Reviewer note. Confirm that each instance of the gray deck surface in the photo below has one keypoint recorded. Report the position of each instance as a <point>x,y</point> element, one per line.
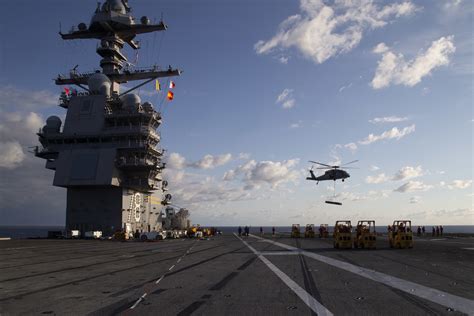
<point>223,276</point>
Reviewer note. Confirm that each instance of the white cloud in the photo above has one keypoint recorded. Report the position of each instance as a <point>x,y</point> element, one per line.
<point>374,168</point>
<point>351,196</point>
<point>380,48</point>
<point>354,196</point>
<point>375,195</point>
<point>345,87</point>
<point>286,99</point>
<point>408,172</point>
<point>284,95</point>
<point>415,199</point>
<point>394,69</point>
<point>17,132</point>
<point>20,126</point>
<point>246,167</point>
<point>197,191</point>
<point>283,59</point>
<point>11,155</point>
<point>404,173</point>
<point>452,4</point>
<point>176,161</point>
<point>394,133</point>
<point>229,175</point>
<point>288,104</point>
<point>443,216</point>
<point>295,125</point>
<point>211,162</point>
<point>388,119</point>
<point>425,91</point>
<point>460,184</point>
<point>200,192</point>
<point>12,98</point>
<point>464,212</point>
<point>273,173</point>
<point>380,178</point>
<point>244,156</point>
<point>322,31</point>
<point>351,146</point>
<point>413,186</point>
<point>173,175</point>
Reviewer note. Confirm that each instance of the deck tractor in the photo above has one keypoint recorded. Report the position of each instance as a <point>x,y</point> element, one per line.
<point>343,234</point>
<point>323,231</point>
<point>295,231</point>
<point>401,235</point>
<point>366,236</point>
<point>309,231</point>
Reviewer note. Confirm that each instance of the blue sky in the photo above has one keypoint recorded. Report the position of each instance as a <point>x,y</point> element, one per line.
<point>236,154</point>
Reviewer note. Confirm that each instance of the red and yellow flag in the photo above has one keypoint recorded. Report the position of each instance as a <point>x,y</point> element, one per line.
<point>170,95</point>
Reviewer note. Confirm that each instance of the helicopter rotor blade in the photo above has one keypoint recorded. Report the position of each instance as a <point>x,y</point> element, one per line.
<point>349,163</point>
<point>322,164</point>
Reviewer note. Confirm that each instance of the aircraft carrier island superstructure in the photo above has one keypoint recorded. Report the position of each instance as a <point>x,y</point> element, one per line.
<point>107,155</point>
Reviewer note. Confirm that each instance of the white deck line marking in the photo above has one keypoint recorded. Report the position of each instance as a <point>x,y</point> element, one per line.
<point>179,260</point>
<point>445,241</point>
<point>136,303</point>
<point>280,253</point>
<point>436,296</point>
<point>17,248</point>
<point>159,280</point>
<point>310,301</point>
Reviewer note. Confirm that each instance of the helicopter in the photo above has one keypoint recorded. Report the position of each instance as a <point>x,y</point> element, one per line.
<point>333,173</point>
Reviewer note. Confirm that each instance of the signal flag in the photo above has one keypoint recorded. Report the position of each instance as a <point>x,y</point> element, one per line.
<point>172,84</point>
<point>170,95</point>
<point>66,90</point>
<point>157,85</point>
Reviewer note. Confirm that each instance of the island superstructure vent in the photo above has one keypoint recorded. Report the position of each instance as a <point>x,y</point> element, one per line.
<point>107,154</point>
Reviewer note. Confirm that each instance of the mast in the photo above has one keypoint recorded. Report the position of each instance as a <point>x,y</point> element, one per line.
<point>114,26</point>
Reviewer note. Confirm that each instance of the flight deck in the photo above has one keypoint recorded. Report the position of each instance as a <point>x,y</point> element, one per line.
<point>231,275</point>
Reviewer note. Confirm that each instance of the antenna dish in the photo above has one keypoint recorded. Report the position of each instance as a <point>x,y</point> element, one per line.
<point>99,84</point>
<point>82,26</point>
<point>145,20</point>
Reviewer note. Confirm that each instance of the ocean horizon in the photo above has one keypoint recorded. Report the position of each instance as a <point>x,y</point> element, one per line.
<point>24,232</point>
